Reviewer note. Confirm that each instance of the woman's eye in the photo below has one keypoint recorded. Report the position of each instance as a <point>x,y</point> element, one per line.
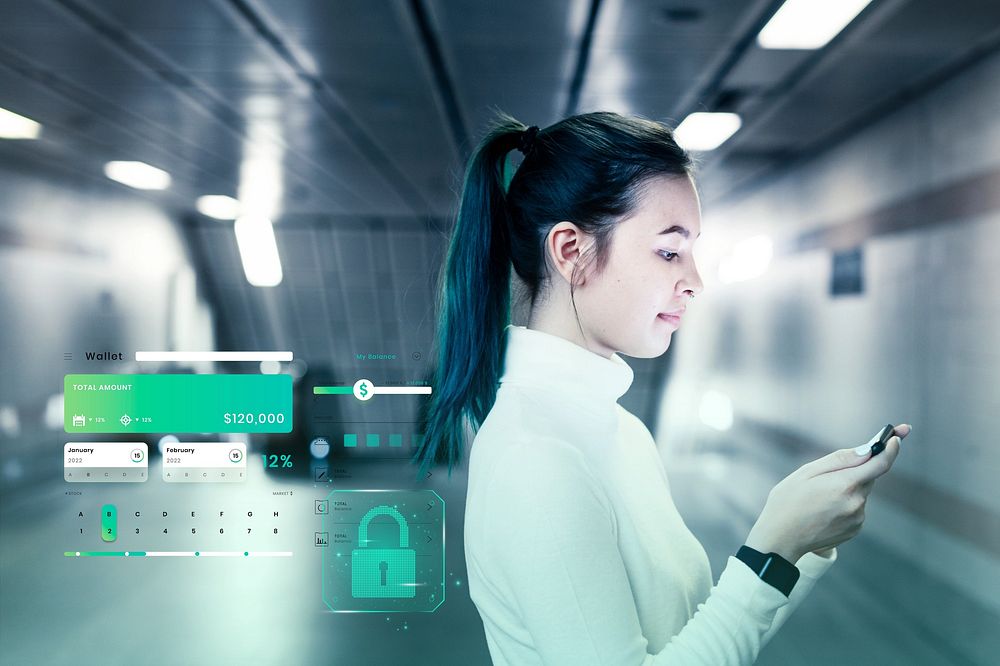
<point>664,253</point>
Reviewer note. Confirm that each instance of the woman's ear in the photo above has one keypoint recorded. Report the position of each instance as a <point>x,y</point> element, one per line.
<point>564,246</point>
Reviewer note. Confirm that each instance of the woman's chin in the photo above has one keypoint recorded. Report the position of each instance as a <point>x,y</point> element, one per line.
<point>651,348</point>
<point>664,346</point>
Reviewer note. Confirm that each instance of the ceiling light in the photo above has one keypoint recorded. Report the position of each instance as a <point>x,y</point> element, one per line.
<point>706,131</point>
<point>716,410</point>
<point>258,251</point>
<point>139,175</point>
<point>808,24</point>
<point>749,258</point>
<point>13,126</point>
<point>219,206</point>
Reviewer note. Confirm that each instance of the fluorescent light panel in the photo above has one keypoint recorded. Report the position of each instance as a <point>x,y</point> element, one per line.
<point>14,126</point>
<point>706,131</point>
<point>716,410</point>
<point>749,258</point>
<point>139,175</point>
<point>808,24</point>
<point>258,251</point>
<point>219,206</point>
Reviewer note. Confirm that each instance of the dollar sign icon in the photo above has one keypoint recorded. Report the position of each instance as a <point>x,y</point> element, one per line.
<point>364,389</point>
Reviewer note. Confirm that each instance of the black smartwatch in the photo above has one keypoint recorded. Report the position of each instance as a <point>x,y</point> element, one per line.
<point>771,568</point>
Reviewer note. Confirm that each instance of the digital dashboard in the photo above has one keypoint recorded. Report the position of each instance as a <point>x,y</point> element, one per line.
<point>201,487</point>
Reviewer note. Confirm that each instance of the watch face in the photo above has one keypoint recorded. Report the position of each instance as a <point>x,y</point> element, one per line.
<point>772,568</point>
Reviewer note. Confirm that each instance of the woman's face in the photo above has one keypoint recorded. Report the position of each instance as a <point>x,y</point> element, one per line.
<point>649,272</point>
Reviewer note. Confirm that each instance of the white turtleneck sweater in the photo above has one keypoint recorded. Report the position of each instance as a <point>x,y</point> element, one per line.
<point>575,550</point>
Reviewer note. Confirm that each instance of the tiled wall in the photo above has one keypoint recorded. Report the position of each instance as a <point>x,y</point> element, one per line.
<point>920,345</point>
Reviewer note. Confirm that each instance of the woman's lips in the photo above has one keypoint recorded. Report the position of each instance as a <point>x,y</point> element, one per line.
<point>672,319</point>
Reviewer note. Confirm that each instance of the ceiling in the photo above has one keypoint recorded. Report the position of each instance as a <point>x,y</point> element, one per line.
<point>372,108</point>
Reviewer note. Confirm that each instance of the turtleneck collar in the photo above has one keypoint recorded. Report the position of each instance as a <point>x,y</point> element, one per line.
<point>543,360</point>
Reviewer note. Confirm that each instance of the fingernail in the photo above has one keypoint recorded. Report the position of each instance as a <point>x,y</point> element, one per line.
<point>862,450</point>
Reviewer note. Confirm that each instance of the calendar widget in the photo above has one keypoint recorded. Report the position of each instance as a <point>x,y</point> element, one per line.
<point>105,462</point>
<point>205,462</point>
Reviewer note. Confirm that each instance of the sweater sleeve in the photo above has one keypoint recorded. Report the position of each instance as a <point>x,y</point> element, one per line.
<point>553,543</point>
<point>811,567</point>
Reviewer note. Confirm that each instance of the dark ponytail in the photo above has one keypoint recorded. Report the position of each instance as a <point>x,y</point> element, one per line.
<point>474,302</point>
<point>589,169</point>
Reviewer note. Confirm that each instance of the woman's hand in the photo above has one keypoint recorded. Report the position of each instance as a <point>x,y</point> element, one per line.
<point>821,504</point>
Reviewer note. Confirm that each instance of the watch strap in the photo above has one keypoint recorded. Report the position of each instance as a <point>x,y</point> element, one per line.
<point>771,568</point>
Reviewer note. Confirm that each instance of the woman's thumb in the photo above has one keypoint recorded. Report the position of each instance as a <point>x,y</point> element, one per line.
<point>839,459</point>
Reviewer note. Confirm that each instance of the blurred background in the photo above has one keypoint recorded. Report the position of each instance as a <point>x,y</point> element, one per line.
<point>282,175</point>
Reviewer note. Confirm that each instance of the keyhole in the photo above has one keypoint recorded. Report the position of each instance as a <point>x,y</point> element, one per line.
<point>384,568</point>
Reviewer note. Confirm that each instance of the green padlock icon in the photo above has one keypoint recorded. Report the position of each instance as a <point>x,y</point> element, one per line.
<point>383,573</point>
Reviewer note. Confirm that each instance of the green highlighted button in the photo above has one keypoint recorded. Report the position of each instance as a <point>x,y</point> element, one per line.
<point>109,522</point>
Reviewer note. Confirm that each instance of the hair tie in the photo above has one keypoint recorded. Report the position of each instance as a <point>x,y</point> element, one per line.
<point>527,139</point>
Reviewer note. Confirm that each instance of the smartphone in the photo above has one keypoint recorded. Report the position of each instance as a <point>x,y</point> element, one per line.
<point>881,438</point>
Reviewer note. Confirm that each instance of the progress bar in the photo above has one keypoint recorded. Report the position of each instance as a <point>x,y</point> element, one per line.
<point>176,553</point>
<point>347,390</point>
<point>364,389</point>
<point>213,356</point>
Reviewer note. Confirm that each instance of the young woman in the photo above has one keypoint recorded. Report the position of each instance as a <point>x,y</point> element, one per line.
<point>575,551</point>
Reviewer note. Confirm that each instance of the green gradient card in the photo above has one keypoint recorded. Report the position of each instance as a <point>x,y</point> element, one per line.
<point>177,403</point>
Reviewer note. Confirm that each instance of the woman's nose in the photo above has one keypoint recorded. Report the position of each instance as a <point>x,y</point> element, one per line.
<point>693,282</point>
